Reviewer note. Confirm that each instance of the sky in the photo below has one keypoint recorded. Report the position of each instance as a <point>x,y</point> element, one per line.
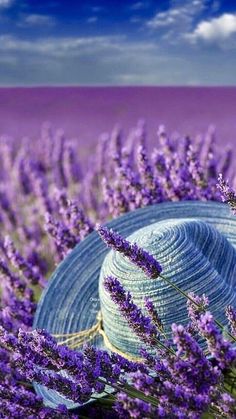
<point>95,42</point>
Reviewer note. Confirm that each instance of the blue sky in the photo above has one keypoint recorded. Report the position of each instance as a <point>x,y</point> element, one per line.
<point>147,42</point>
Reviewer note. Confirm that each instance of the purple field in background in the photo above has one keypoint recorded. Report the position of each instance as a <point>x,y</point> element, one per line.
<point>86,112</point>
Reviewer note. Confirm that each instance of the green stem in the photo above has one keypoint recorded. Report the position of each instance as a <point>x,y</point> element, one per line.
<point>172,352</point>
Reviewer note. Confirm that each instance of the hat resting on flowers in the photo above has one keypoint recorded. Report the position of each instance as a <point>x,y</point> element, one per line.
<point>194,242</point>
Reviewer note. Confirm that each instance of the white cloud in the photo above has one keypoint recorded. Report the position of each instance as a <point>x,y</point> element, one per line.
<point>6,3</point>
<point>181,14</point>
<point>215,30</point>
<point>139,5</point>
<point>59,47</point>
<point>161,19</point>
<point>108,60</point>
<point>72,60</point>
<point>36,20</point>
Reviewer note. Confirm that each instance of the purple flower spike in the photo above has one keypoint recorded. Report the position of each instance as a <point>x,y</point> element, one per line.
<point>220,349</point>
<point>31,273</point>
<point>231,316</point>
<point>135,254</point>
<point>152,312</point>
<point>63,238</point>
<point>195,311</point>
<point>228,195</point>
<point>128,407</point>
<point>141,325</point>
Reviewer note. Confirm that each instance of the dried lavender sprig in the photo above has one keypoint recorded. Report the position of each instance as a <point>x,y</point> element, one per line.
<point>135,254</point>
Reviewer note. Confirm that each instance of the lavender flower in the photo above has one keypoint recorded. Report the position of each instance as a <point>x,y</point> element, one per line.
<point>23,176</point>
<point>195,310</point>
<point>78,222</point>
<point>226,405</point>
<point>71,166</point>
<point>228,195</point>
<point>152,312</point>
<point>221,349</point>
<point>231,316</point>
<point>63,238</point>
<point>140,324</point>
<point>37,357</point>
<point>31,273</point>
<point>128,182</point>
<point>14,281</point>
<point>6,207</point>
<point>128,407</point>
<point>135,254</point>
<point>193,368</point>
<point>19,312</point>
<point>40,182</point>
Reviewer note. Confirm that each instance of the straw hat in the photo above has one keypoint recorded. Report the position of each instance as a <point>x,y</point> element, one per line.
<point>195,243</point>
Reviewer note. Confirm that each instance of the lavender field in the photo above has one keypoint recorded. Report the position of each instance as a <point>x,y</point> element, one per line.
<point>60,184</point>
<point>86,112</point>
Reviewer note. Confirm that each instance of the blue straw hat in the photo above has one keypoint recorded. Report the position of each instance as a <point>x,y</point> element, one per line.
<point>195,243</point>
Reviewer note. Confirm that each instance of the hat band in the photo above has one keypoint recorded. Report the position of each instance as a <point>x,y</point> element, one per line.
<point>78,339</point>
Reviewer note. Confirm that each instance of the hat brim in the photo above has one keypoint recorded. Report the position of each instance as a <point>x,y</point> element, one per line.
<point>70,302</point>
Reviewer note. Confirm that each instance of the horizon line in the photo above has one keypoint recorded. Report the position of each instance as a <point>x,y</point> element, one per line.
<point>38,86</point>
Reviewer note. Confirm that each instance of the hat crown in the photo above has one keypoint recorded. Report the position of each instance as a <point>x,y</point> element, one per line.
<point>193,254</point>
